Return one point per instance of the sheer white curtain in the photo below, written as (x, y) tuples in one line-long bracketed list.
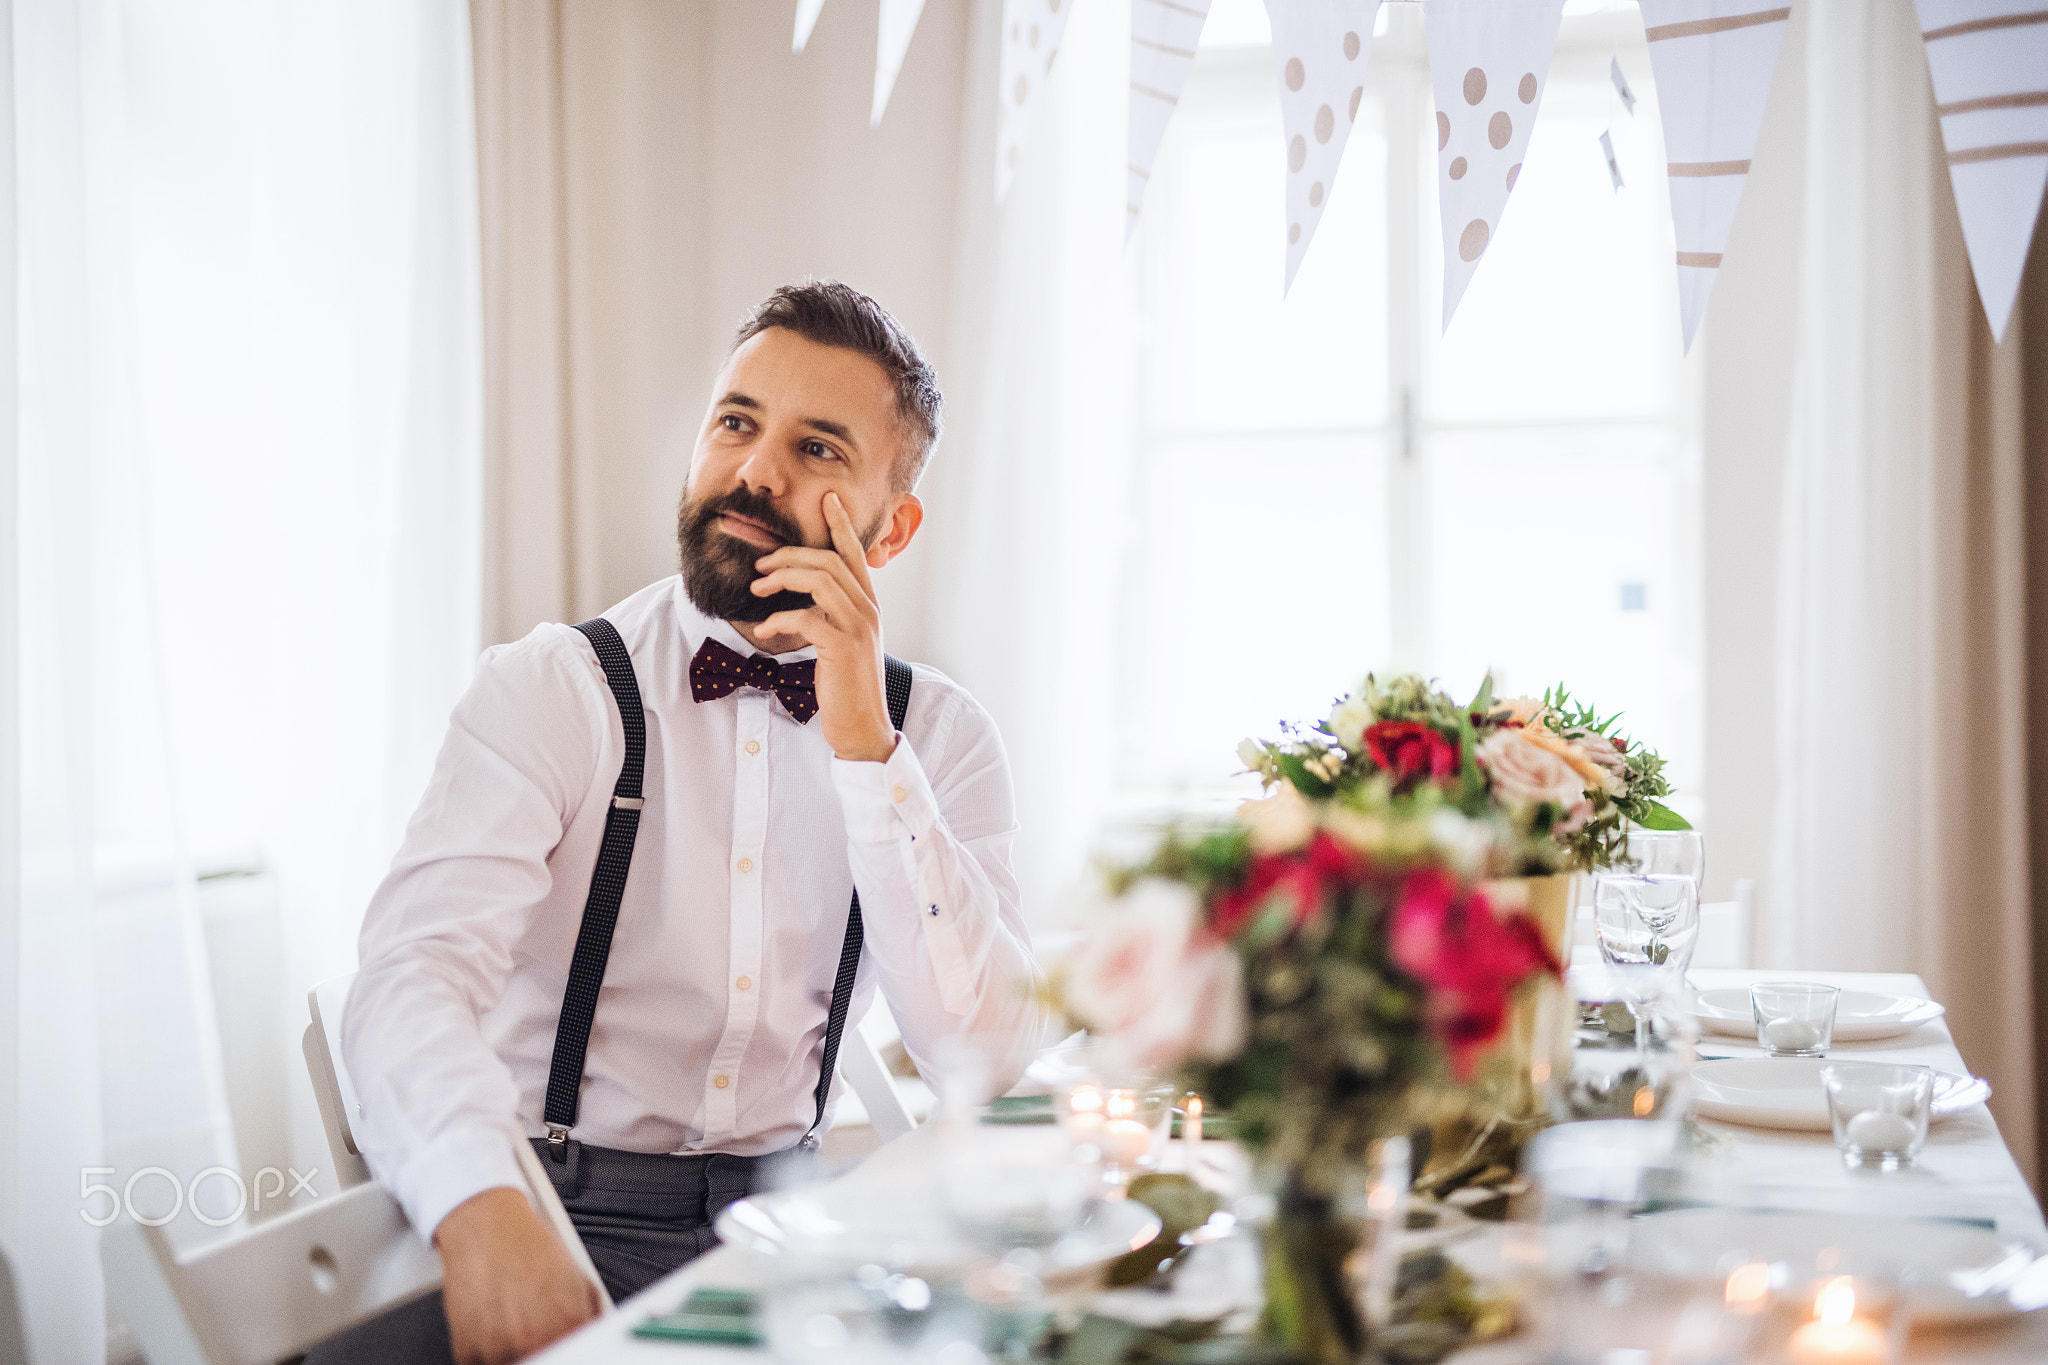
[(1901, 829), (1031, 497), (248, 426)]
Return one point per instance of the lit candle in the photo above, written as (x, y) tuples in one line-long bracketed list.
[(1790, 1035), (1191, 1129), (1876, 1131), (1084, 1114), (1837, 1336), (1124, 1139)]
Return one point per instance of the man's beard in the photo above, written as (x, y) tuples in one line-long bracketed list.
[(718, 569)]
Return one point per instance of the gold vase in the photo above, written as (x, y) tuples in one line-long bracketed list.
[(1517, 1068)]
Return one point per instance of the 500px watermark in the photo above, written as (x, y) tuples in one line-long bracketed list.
[(165, 1196)]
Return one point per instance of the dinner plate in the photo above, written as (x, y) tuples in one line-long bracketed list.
[(1785, 1092), (905, 1236), (1955, 1273), (1860, 1016)]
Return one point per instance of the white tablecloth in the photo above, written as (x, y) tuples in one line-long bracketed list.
[(1965, 1172)]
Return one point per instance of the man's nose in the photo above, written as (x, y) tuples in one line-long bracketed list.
[(765, 471)]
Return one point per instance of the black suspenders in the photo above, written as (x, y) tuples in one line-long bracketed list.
[(608, 885)]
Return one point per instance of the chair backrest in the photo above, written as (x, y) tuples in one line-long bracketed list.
[(860, 1062), (270, 1293)]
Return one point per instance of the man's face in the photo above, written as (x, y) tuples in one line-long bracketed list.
[(790, 421)]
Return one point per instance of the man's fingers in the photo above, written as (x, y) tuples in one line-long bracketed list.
[(846, 540), (826, 590)]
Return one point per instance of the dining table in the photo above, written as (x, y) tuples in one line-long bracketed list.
[(1964, 1174)]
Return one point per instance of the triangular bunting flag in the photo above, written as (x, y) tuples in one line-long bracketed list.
[(807, 12), (892, 40), (1989, 63), (1713, 60), (1031, 35), (1320, 48), (1488, 61), (1164, 35)]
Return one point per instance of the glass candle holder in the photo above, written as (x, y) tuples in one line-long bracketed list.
[(1794, 1018), (1879, 1111)]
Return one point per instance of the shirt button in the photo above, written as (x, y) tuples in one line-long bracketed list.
[(721, 1081), (745, 983), (746, 864), (753, 746), (899, 796)]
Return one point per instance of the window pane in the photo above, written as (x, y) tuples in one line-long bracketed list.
[(1562, 556), (1572, 312), (1226, 351), (1262, 593)]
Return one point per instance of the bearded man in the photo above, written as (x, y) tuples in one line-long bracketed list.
[(715, 801)]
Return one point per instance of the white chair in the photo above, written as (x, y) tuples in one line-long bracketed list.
[(271, 1293), (336, 1095)]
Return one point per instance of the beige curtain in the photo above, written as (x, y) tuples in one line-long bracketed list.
[(1903, 826), (2027, 430)]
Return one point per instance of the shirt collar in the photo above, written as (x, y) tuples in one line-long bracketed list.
[(697, 627)]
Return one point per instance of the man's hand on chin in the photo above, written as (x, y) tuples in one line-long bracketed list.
[(844, 623), (508, 1285)]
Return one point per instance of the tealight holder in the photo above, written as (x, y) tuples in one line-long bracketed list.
[(1127, 1119), (1879, 1111), (1794, 1018)]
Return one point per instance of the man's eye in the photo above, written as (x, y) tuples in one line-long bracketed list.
[(731, 421), (818, 450)]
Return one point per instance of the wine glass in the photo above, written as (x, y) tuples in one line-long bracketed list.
[(1654, 852), (1646, 925)]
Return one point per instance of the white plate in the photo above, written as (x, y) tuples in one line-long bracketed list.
[(1785, 1092), (905, 1237), (1944, 1260), (1860, 1016)]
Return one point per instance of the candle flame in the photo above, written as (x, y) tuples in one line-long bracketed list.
[(1119, 1105), (1747, 1286), (1836, 1302), (1646, 1100), (1086, 1099), (1194, 1106)]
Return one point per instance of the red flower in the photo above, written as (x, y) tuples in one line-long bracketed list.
[(1448, 938), (1409, 749), (1305, 876)]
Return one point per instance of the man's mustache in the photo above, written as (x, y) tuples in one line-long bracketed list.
[(745, 502)]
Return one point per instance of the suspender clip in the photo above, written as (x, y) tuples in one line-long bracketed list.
[(558, 1140), (628, 802), (807, 1143)]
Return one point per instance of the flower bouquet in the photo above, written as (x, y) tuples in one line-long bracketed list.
[(1342, 950)]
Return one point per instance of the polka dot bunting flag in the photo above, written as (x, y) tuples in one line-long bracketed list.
[(1320, 49), (892, 40), (1164, 34), (1488, 60), (1713, 60), (1031, 37), (1989, 64)]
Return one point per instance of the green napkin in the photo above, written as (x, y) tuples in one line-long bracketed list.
[(720, 1317), (1019, 1109)]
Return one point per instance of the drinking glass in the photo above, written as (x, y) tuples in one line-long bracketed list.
[(1794, 1018), (1612, 1077), (1648, 921), (1879, 1111), (1654, 852)]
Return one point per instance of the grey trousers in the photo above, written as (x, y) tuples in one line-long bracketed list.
[(640, 1215)]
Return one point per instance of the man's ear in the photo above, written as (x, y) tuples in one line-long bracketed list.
[(904, 519)]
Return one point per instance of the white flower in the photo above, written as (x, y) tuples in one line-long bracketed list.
[(1467, 843), (1526, 772), (1130, 958), (1348, 723), (1252, 754), (1279, 823)]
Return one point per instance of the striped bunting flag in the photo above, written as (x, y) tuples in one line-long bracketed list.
[(892, 40), (1989, 64), (1031, 38), (1164, 34), (1713, 60)]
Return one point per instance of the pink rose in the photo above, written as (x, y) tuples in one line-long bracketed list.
[(1129, 960), (1525, 772), (1201, 1015)]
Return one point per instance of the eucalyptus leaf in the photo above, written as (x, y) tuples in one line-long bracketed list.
[(1657, 815)]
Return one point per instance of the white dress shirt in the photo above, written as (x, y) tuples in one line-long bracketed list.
[(711, 1021)]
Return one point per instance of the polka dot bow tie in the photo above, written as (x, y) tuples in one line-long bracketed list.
[(718, 672)]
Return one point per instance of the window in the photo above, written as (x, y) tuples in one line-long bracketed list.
[(1330, 483)]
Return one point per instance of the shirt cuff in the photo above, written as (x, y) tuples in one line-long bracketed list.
[(884, 801), (455, 1167)]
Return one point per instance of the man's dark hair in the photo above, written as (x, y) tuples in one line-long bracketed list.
[(833, 314)]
